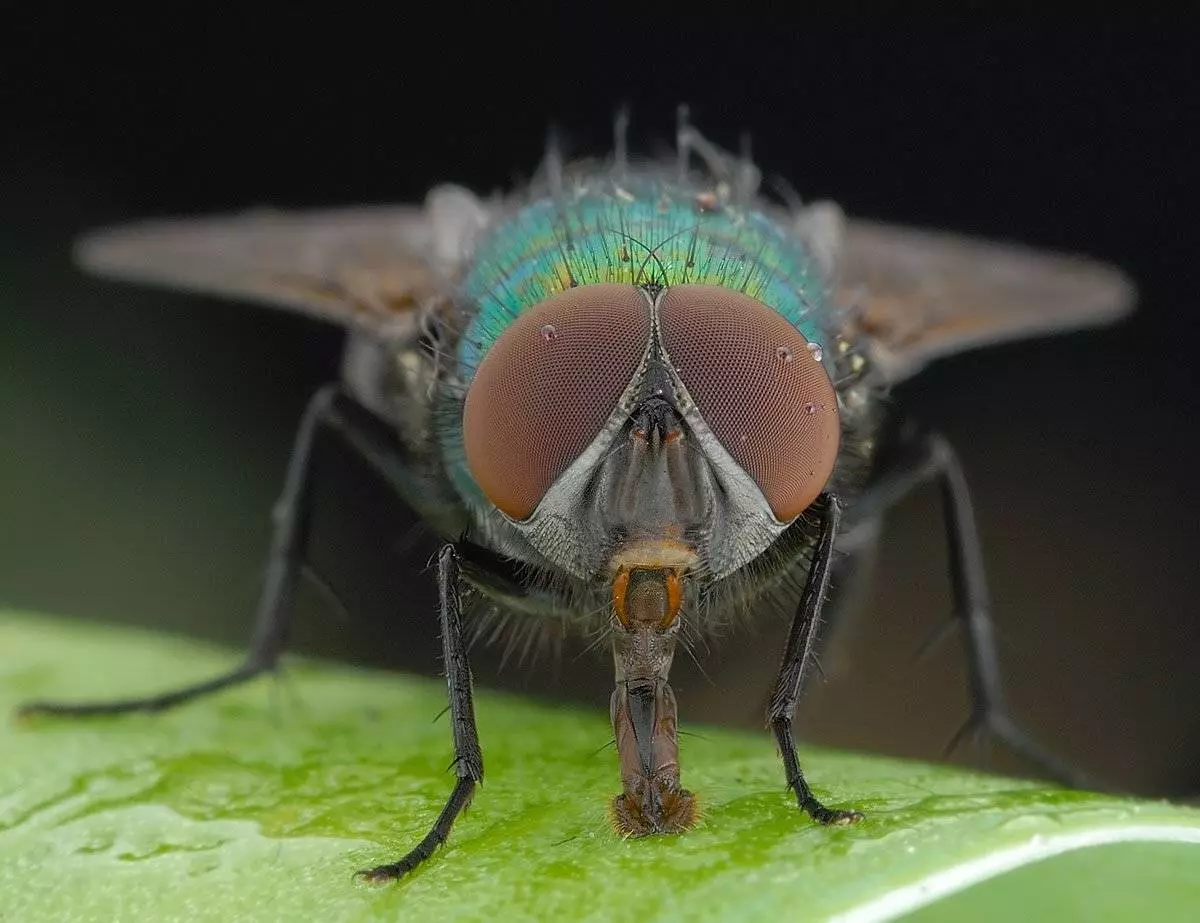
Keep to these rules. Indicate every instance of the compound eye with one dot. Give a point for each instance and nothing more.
(545, 389)
(760, 387)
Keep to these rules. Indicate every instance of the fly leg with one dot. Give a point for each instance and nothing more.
(933, 459)
(468, 758)
(796, 656)
(291, 526)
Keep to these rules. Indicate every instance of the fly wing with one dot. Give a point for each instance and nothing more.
(365, 267)
(920, 295)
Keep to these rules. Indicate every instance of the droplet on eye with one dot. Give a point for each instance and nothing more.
(549, 332)
(775, 415)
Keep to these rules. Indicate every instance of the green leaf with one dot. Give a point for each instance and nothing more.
(252, 805)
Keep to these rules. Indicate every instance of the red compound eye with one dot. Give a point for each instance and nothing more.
(547, 386)
(759, 386)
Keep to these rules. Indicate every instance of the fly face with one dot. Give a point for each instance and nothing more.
(618, 425)
(629, 399)
(654, 439)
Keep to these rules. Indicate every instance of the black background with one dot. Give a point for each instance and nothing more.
(145, 433)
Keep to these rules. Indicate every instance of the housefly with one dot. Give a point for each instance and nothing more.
(631, 399)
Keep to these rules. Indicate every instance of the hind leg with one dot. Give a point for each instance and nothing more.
(932, 459)
(291, 526)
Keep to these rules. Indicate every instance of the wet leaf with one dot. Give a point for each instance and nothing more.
(261, 803)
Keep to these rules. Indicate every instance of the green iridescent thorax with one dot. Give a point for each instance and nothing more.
(651, 231)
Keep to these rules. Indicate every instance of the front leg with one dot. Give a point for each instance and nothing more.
(796, 657)
(468, 758)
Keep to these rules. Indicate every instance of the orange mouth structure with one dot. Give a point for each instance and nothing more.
(647, 599)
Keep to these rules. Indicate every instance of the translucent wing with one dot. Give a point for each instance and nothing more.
(365, 267)
(925, 294)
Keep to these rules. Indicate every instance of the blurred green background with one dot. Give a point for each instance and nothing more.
(144, 433)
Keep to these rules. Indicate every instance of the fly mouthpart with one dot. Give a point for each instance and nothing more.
(651, 807)
(647, 597)
(645, 727)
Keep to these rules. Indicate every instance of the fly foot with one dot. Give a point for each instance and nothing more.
(994, 723)
(829, 817)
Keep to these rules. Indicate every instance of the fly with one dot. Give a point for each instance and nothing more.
(631, 399)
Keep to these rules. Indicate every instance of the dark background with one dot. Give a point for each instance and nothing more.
(145, 433)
